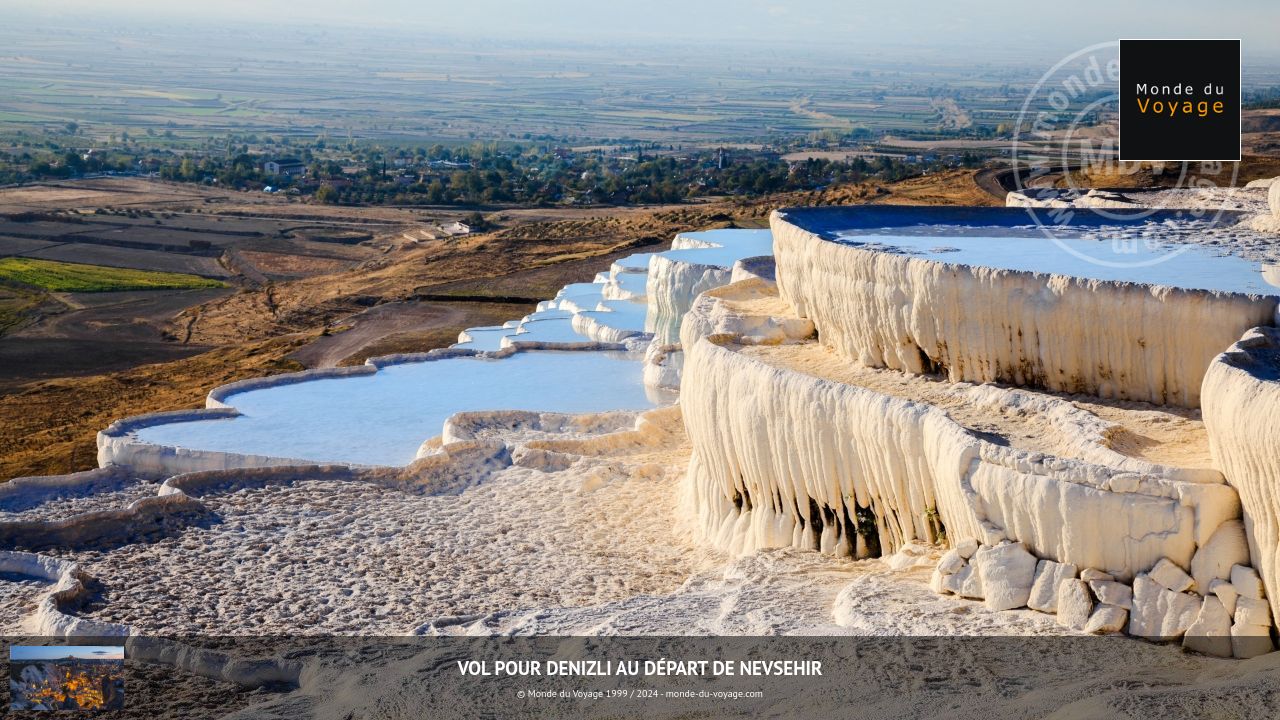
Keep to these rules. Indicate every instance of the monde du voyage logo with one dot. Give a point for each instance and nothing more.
(1180, 100)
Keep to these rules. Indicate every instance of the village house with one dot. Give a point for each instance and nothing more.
(292, 167)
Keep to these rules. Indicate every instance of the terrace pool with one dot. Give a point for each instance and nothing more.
(382, 419)
(1164, 248)
(1188, 266)
(720, 248)
(555, 330)
(485, 338)
(621, 314)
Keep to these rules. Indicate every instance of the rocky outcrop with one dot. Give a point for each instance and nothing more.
(782, 457)
(1109, 339)
(1160, 605)
(712, 314)
(1241, 397)
(785, 459)
(1226, 548)
(1007, 571)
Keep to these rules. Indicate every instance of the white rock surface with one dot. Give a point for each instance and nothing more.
(954, 583)
(1170, 576)
(675, 280)
(1273, 197)
(1107, 619)
(1252, 611)
(1226, 547)
(1044, 589)
(1241, 394)
(909, 555)
(1075, 604)
(1007, 572)
(971, 587)
(768, 442)
(937, 582)
(68, 590)
(749, 311)
(1248, 641)
(1211, 632)
(967, 547)
(1159, 613)
(951, 562)
(1226, 592)
(672, 287)
(1110, 592)
(1246, 582)
(1093, 575)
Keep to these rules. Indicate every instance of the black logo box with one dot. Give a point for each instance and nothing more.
(1187, 65)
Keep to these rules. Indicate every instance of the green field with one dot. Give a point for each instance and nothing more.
(73, 277)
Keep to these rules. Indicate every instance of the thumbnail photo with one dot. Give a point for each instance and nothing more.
(66, 677)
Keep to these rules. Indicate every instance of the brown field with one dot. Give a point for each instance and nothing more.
(290, 265)
(49, 427)
(106, 192)
(73, 334)
(130, 258)
(1251, 167)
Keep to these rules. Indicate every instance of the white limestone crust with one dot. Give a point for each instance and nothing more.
(1103, 338)
(784, 458)
(1241, 397)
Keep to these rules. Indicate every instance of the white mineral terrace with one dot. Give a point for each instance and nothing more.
(991, 299)
(382, 414)
(922, 421)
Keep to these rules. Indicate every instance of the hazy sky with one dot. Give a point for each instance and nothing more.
(1050, 26)
(56, 652)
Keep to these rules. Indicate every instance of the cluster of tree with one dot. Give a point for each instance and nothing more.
(544, 178)
(70, 163)
(475, 174)
(1262, 98)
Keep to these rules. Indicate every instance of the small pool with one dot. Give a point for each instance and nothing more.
(633, 263)
(631, 283)
(485, 338)
(720, 248)
(579, 298)
(620, 314)
(578, 290)
(556, 330)
(382, 419)
(1163, 248)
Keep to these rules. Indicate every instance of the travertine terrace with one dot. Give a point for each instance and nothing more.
(856, 424)
(822, 442)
